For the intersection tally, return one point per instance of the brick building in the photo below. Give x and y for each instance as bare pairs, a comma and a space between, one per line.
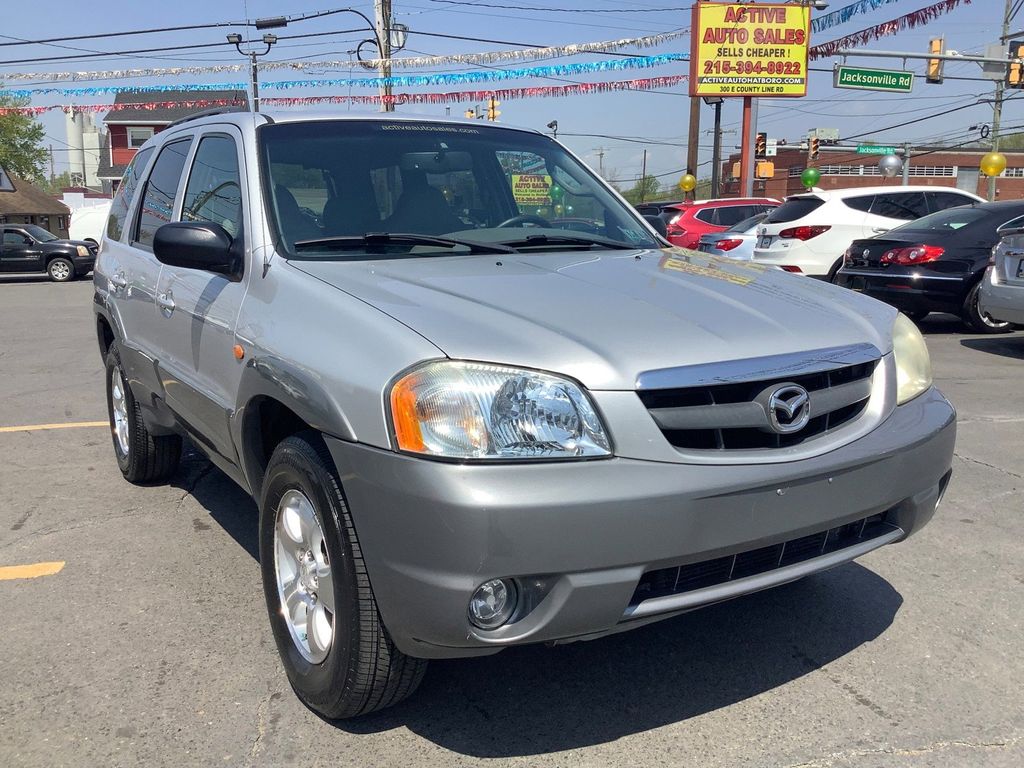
929, 166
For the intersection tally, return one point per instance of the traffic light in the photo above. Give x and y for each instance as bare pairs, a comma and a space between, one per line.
761, 146
764, 170
813, 148
492, 109
933, 72
1014, 74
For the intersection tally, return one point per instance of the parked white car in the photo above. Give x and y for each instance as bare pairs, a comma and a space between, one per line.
809, 233
88, 223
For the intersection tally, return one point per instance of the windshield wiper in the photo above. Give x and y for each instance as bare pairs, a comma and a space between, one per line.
397, 238
541, 240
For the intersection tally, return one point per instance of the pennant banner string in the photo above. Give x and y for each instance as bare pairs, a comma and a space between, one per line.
548, 91
886, 28
402, 81
843, 15
488, 57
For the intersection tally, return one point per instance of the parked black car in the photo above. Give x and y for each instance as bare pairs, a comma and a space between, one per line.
933, 264
30, 248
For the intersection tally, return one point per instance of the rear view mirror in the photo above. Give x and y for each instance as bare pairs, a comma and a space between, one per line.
441, 161
195, 245
658, 223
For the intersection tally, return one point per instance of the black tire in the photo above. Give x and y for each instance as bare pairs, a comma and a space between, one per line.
974, 319
60, 270
918, 316
149, 458
834, 271
363, 671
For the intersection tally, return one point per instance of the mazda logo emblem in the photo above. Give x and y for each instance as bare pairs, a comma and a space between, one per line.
789, 409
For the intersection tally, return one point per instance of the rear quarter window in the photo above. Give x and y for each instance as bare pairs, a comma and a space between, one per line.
861, 203
794, 209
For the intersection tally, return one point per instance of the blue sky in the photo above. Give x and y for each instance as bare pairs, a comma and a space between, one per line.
657, 117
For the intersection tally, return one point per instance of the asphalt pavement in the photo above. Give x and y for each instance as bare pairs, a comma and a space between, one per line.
150, 644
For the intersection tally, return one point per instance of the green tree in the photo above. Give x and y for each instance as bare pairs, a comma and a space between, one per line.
58, 183
21, 140
645, 189
1012, 141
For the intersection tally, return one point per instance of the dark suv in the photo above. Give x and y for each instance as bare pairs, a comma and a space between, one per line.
30, 248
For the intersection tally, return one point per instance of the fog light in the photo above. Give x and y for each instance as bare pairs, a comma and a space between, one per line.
493, 603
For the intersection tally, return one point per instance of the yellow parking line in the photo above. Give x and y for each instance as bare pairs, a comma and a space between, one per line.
69, 425
30, 571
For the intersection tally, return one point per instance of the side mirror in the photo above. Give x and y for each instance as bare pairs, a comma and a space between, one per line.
195, 245
659, 225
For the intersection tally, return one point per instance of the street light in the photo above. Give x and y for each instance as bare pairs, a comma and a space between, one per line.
553, 125
268, 40
716, 152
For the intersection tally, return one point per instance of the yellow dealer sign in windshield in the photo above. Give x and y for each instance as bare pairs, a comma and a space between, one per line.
749, 50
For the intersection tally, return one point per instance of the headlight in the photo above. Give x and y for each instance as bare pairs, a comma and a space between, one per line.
913, 365
464, 410
82, 250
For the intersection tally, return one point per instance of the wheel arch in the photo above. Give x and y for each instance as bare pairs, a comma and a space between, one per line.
278, 401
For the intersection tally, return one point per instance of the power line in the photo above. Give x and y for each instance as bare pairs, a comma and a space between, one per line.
548, 9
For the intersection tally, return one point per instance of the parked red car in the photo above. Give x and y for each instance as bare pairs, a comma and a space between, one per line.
687, 221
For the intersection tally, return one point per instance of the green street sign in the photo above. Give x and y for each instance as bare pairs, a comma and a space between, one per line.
859, 78
871, 149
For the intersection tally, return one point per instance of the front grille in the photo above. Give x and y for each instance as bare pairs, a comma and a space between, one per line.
709, 573
734, 416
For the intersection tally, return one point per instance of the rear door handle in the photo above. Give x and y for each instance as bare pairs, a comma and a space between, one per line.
166, 303
118, 282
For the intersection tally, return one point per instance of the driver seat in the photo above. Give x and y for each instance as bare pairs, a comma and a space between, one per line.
422, 209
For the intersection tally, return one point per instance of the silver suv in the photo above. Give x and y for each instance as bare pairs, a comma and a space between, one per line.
468, 425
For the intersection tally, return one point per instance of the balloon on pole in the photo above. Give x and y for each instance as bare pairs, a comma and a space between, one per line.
810, 177
993, 164
688, 183
890, 165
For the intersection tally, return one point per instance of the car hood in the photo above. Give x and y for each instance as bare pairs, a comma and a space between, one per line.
603, 318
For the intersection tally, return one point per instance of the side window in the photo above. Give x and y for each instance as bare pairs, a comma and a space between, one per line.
14, 237
126, 193
905, 206
940, 201
707, 215
161, 186
734, 214
862, 203
214, 190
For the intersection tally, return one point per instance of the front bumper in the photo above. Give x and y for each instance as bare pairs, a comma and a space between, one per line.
84, 264
578, 537
907, 289
1002, 301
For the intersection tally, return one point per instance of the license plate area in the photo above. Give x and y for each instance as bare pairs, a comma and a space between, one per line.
1020, 269
764, 241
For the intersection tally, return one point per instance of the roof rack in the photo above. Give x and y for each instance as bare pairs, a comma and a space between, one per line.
209, 113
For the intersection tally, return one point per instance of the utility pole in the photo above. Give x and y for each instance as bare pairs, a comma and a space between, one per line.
51, 167
382, 8
693, 141
643, 177
747, 142
600, 161
716, 152
906, 164
997, 107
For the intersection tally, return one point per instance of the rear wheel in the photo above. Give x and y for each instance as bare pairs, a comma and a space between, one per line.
834, 271
334, 646
60, 270
141, 457
978, 321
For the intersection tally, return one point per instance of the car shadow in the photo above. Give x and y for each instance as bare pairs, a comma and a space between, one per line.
534, 700
227, 505
1011, 346
940, 323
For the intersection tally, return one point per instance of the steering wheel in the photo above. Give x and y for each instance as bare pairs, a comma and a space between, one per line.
527, 218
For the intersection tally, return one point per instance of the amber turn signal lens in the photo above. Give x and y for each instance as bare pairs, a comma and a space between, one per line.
239, 352
403, 411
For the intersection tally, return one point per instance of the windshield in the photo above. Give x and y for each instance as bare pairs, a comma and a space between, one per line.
949, 220
39, 233
794, 208
332, 181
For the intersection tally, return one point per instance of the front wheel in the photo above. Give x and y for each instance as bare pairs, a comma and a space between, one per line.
60, 270
334, 646
978, 321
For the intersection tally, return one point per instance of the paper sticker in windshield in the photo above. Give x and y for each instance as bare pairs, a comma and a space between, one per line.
531, 189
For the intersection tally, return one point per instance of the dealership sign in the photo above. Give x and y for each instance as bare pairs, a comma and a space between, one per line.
749, 50
531, 188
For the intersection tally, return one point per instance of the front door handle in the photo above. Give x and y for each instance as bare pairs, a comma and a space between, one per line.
166, 303
879, 230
